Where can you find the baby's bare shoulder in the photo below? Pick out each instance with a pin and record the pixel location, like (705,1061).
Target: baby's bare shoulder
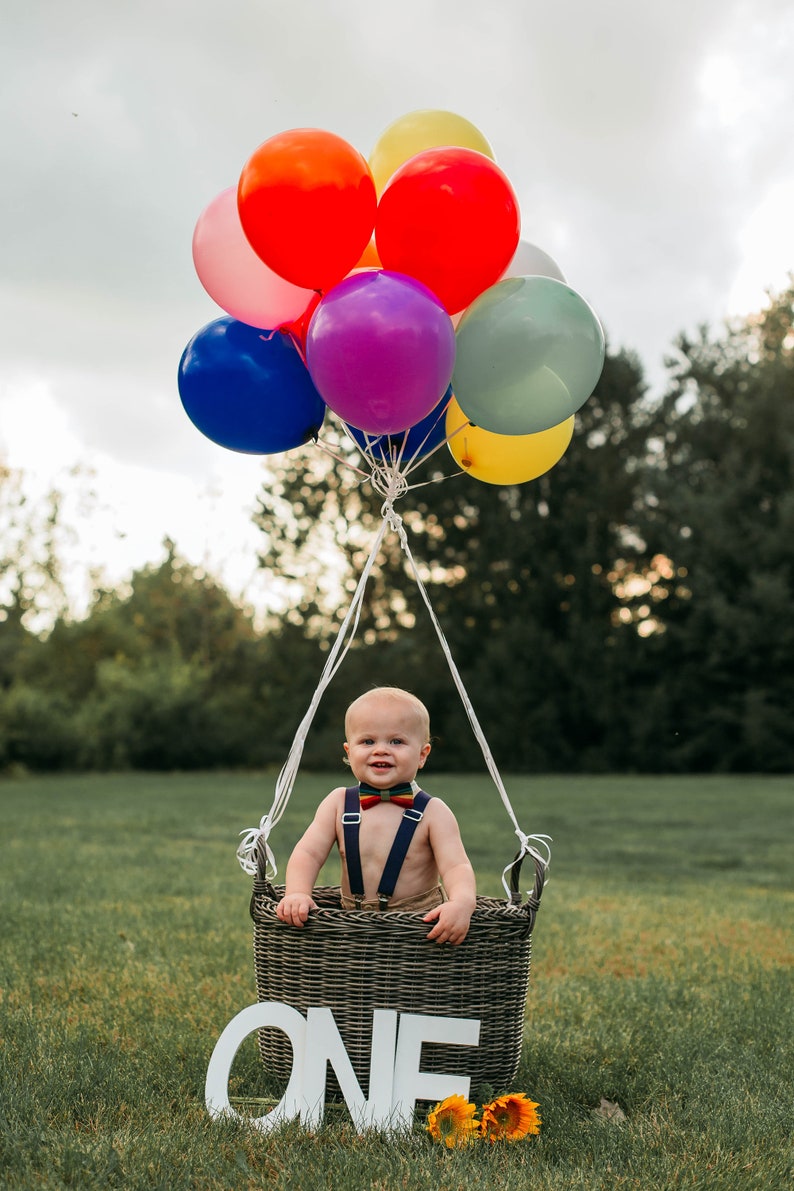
(437,807)
(439,815)
(332,804)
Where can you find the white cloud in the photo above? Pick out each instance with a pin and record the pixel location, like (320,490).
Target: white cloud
(767,251)
(649,146)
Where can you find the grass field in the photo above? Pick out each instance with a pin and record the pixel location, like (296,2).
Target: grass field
(661,982)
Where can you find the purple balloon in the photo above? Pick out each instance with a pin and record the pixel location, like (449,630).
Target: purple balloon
(381,350)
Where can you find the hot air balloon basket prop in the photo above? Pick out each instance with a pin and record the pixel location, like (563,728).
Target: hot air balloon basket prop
(397,295)
(357,962)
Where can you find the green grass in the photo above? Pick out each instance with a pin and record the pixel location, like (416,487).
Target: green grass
(661,981)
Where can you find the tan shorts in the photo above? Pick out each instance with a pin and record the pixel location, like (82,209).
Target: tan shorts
(420,903)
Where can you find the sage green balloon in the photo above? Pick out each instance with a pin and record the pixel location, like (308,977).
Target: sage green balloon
(529,352)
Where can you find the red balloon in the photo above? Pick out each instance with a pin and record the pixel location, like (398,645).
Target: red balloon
(307,205)
(298,328)
(450,218)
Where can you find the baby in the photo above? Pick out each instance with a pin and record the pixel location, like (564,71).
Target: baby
(388,741)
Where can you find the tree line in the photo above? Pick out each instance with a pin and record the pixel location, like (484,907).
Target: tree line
(629,611)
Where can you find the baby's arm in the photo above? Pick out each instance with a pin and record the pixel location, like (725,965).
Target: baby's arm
(452,918)
(308,857)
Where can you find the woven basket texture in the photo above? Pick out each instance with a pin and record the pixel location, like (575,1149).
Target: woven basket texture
(355,962)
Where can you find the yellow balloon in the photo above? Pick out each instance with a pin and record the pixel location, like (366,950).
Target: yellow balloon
(505,458)
(411,134)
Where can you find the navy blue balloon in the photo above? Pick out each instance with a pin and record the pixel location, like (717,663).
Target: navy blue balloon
(248,390)
(414,443)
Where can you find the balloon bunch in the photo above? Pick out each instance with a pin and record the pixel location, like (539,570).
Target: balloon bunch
(395,292)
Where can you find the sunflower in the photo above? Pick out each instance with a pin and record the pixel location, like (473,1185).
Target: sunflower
(453,1122)
(509,1117)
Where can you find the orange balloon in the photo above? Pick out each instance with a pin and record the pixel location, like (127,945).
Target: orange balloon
(307,205)
(505,458)
(369,258)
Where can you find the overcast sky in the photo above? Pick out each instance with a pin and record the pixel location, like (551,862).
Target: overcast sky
(650,146)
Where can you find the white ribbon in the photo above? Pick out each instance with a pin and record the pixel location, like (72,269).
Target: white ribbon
(390,481)
(289,771)
(526,849)
(247,848)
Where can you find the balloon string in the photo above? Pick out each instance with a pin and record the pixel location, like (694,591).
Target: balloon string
(339,459)
(297,344)
(253,836)
(526,847)
(418,457)
(374,450)
(435,480)
(371,442)
(444,442)
(391,484)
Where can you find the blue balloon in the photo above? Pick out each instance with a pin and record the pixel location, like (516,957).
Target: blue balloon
(248,390)
(414,443)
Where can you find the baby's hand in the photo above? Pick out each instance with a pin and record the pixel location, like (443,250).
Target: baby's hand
(452,922)
(294,908)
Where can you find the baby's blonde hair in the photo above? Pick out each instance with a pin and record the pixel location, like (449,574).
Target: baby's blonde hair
(398,695)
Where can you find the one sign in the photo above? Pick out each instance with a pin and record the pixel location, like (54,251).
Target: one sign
(395,1080)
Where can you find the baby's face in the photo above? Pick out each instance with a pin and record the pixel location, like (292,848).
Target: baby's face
(386,741)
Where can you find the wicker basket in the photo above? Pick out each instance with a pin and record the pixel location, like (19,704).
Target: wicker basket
(354,962)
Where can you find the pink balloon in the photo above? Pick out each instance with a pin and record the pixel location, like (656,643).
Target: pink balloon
(234,276)
(380,350)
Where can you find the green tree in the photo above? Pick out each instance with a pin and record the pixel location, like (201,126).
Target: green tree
(718,520)
(166,672)
(169,673)
(32,594)
(521,579)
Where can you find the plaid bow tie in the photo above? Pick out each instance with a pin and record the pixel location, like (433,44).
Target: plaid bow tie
(402,795)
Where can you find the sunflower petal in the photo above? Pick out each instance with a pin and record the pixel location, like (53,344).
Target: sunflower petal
(508,1118)
(453,1122)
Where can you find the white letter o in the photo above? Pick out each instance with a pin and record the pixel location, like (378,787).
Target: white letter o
(255,1017)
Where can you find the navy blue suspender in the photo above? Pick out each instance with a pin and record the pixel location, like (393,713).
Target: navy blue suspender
(351,822)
